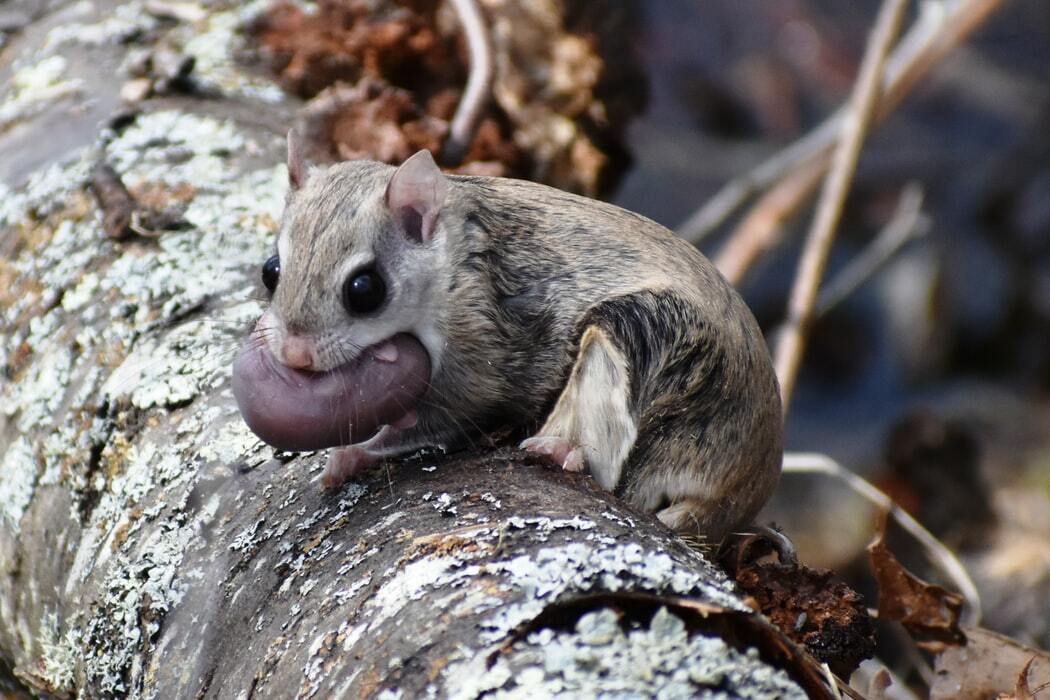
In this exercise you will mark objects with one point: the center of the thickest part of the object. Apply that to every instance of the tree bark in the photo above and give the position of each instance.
(151, 546)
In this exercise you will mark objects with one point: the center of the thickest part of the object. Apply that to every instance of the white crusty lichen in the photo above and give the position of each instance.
(124, 334)
(234, 218)
(139, 590)
(210, 33)
(59, 654)
(34, 86)
(506, 593)
(41, 391)
(175, 147)
(214, 44)
(121, 24)
(45, 192)
(18, 476)
(599, 658)
(579, 567)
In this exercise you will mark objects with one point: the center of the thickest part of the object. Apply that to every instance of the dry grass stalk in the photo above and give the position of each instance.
(907, 223)
(936, 551)
(476, 93)
(762, 227)
(942, 25)
(858, 116)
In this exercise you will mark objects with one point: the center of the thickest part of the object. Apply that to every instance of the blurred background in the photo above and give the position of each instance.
(933, 378)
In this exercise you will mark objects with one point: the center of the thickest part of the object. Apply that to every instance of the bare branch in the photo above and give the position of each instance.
(907, 224)
(733, 195)
(942, 25)
(476, 93)
(938, 553)
(761, 228)
(792, 339)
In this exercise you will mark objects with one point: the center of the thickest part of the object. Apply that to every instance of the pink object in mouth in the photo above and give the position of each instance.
(296, 410)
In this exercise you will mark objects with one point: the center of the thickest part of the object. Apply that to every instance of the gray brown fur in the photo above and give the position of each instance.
(518, 271)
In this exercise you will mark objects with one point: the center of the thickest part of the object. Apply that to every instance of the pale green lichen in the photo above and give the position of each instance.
(578, 566)
(45, 192)
(60, 652)
(85, 292)
(167, 372)
(167, 358)
(229, 441)
(661, 661)
(472, 587)
(34, 86)
(138, 591)
(18, 475)
(214, 46)
(210, 33)
(122, 23)
(176, 147)
(36, 398)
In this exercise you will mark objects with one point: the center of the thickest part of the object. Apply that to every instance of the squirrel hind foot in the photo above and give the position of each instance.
(560, 451)
(591, 426)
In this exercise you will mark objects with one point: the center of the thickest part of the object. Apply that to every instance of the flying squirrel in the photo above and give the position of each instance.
(411, 308)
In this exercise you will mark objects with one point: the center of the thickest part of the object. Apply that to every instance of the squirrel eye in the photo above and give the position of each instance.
(364, 292)
(271, 272)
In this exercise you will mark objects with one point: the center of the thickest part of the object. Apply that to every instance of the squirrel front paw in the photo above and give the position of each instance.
(559, 450)
(345, 463)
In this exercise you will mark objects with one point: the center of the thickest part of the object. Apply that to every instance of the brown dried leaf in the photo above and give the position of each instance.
(1021, 690)
(370, 120)
(990, 665)
(930, 613)
(552, 118)
(344, 41)
(878, 685)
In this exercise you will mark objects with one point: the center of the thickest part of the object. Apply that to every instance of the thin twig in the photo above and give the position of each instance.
(476, 92)
(938, 554)
(704, 221)
(832, 681)
(942, 25)
(792, 339)
(907, 224)
(760, 229)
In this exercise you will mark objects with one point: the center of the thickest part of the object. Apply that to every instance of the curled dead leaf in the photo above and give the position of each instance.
(930, 613)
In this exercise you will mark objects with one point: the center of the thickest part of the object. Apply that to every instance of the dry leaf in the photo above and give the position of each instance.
(385, 78)
(990, 665)
(930, 613)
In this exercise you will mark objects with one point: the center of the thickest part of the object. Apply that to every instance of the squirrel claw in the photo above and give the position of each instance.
(559, 450)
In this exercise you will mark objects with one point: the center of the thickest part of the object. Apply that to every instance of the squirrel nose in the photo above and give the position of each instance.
(297, 352)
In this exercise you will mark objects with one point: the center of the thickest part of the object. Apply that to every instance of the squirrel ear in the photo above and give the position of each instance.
(415, 195)
(296, 166)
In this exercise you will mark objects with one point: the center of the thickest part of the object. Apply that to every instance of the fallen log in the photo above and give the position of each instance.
(151, 546)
